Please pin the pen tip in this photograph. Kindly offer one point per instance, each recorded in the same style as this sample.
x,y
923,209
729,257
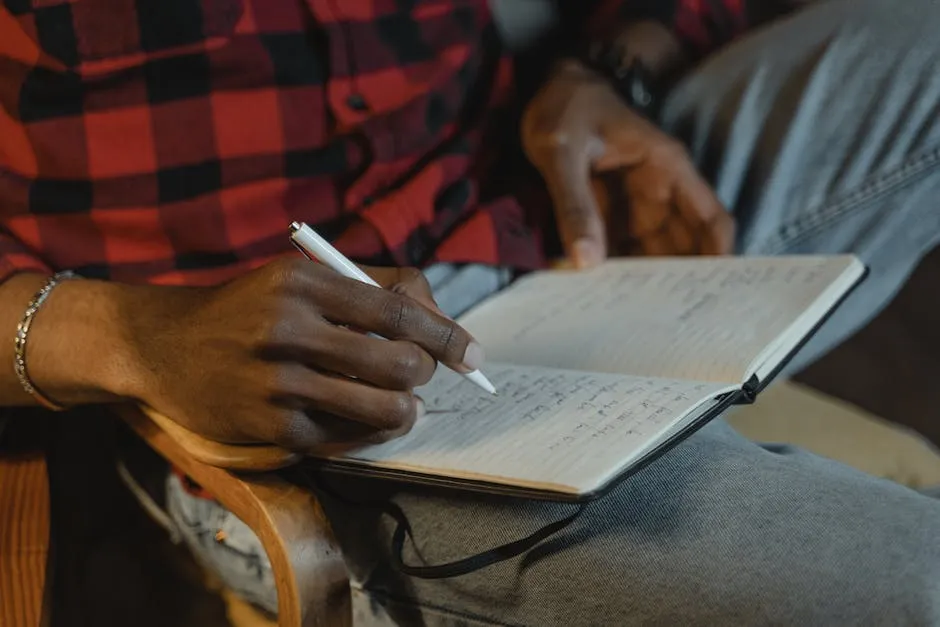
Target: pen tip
x,y
481,381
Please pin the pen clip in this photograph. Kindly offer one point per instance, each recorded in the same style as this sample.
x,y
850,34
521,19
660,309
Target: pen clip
x,y
302,250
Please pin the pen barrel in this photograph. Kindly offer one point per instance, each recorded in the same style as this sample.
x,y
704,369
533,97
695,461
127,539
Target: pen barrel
x,y
315,248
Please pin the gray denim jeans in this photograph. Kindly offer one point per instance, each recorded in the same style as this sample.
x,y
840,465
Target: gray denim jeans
x,y
821,132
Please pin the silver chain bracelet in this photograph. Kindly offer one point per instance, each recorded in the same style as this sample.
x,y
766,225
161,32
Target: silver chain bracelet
x,y
22,335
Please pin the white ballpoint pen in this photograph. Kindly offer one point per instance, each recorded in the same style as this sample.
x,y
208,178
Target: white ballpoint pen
x,y
313,246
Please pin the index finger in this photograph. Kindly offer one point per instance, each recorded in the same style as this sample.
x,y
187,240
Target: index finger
x,y
408,281
580,222
397,316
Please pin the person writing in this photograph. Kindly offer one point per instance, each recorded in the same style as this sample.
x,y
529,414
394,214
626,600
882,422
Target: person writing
x,y
159,151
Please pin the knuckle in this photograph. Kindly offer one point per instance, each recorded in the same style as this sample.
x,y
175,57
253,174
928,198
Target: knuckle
x,y
670,150
660,193
286,272
400,413
411,281
413,276
397,312
538,120
292,276
565,151
292,430
265,330
556,138
282,378
407,364
453,343
279,329
286,385
261,331
549,145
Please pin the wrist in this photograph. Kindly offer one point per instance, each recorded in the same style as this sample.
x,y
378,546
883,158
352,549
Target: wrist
x,y
648,42
632,86
626,75
637,60
78,350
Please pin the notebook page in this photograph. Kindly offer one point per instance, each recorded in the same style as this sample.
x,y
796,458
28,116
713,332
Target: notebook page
x,y
548,429
703,318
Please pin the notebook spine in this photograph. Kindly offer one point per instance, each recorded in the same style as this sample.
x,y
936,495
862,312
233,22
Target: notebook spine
x,y
750,390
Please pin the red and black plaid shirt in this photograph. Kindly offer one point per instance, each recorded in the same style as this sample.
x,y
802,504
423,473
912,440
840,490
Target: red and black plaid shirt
x,y
172,141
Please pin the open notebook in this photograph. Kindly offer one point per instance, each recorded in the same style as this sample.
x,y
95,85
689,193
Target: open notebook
x,y
600,371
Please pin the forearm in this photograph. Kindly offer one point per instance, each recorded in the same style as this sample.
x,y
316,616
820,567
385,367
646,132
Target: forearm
x,y
76,352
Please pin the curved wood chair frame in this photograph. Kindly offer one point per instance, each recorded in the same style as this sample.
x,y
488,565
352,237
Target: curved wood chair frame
x,y
309,572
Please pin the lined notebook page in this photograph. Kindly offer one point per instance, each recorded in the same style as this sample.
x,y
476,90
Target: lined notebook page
x,y
548,429
691,318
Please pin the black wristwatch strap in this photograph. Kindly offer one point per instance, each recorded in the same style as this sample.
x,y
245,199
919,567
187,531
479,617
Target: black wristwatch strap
x,y
632,80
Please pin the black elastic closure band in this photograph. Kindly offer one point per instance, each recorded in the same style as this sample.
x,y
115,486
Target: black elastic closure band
x,y
468,564
403,530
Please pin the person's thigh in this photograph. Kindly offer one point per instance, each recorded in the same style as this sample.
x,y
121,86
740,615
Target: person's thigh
x,y
718,532
821,132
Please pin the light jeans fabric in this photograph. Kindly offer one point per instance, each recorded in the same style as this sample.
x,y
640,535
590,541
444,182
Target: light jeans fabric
x,y
821,133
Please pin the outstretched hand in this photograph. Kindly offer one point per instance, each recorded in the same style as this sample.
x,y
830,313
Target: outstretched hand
x,y
577,128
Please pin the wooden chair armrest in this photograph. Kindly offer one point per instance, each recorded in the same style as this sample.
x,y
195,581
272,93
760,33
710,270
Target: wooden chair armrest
x,y
247,457
309,572
24,539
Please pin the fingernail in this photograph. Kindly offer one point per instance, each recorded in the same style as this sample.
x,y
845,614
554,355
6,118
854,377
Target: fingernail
x,y
596,148
473,357
585,253
421,409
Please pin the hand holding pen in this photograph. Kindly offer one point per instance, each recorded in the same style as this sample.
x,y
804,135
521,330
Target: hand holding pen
x,y
314,247
276,356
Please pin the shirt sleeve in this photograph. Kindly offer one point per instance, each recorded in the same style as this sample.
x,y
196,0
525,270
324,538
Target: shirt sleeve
x,y
16,258
702,26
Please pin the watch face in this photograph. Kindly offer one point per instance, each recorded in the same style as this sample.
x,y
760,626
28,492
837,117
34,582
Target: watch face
x,y
640,95
630,79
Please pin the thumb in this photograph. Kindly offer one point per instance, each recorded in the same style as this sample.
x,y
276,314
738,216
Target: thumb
x,y
580,223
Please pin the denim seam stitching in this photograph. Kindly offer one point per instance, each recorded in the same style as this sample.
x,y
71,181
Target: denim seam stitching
x,y
812,223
